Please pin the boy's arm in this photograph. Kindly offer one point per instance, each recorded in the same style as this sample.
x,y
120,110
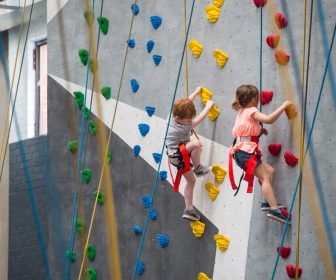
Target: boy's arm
x,y
195,93
196,121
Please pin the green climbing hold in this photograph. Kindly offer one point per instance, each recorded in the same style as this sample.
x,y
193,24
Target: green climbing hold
x,y
106,92
71,256
80,226
90,274
101,197
109,157
103,24
84,56
87,113
93,127
86,175
93,65
88,17
91,252
79,99
72,146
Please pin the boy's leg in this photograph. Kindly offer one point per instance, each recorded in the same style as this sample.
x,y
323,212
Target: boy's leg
x,y
189,213
194,149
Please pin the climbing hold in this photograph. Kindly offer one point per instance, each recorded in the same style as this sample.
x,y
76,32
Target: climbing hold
x,y
135,9
197,228
144,129
137,230
80,226
196,48
213,191
72,146
218,3
103,24
146,201
134,85
136,150
281,57
109,157
150,110
88,17
87,113
205,95
213,113
83,56
266,97
131,43
86,175
273,40
213,13
163,240
79,99
91,252
93,127
157,157
290,158
93,65
140,268
219,172
71,256
285,251
101,197
291,269
106,92
152,214
90,274
221,57
203,276
258,2
156,21
274,149
291,111
280,20
163,175
150,46
222,241
157,59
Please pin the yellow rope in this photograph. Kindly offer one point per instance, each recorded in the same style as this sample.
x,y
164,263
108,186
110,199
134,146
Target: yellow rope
x,y
186,50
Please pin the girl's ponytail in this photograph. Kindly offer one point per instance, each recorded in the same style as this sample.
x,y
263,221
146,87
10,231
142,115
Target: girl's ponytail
x,y
236,105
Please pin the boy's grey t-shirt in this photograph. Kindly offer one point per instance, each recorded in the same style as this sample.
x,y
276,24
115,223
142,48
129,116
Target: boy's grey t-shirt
x,y
177,134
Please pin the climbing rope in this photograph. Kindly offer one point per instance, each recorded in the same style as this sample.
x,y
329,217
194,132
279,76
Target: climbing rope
x,y
186,52
307,147
260,61
163,146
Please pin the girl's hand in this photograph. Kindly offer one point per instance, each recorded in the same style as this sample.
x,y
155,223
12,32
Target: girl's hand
x,y
286,104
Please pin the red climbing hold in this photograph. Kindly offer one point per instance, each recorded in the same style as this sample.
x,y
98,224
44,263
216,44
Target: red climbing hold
x,y
291,270
258,2
281,57
274,149
290,158
285,251
273,40
266,97
280,20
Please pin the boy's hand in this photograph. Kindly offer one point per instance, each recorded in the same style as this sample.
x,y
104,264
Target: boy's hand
x,y
198,89
209,104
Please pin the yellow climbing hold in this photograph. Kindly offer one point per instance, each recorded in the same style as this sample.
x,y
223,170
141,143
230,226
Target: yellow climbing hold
x,y
218,3
197,228
220,172
213,13
196,48
203,276
221,57
213,113
222,241
213,191
205,95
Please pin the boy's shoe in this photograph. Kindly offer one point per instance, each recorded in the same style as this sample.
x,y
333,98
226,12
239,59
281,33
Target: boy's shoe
x,y
191,215
266,207
201,170
277,215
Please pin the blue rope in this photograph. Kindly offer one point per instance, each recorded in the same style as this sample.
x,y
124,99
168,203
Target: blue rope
x,y
305,154
163,145
260,62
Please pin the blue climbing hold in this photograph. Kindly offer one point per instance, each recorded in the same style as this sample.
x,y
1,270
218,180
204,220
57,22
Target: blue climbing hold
x,y
131,43
157,59
150,46
150,110
136,149
163,175
146,201
144,129
152,214
136,10
163,240
137,230
140,268
156,21
134,85
157,157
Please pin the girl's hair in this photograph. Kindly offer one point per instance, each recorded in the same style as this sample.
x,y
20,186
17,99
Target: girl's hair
x,y
244,95
184,109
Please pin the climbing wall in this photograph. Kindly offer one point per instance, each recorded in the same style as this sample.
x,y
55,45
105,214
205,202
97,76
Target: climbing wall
x,y
224,53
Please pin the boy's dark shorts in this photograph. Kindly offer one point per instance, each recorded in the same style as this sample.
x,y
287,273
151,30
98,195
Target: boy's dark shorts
x,y
242,157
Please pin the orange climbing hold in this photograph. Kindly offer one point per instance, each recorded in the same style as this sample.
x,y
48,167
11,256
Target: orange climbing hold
x,y
280,20
281,57
291,112
273,40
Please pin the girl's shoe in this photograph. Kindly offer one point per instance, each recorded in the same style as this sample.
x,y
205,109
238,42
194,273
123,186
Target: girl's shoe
x,y
265,206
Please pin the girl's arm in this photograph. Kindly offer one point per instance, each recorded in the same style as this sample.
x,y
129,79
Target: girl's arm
x,y
196,121
271,118
195,93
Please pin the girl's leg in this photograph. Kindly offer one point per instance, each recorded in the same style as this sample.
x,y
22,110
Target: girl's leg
x,y
189,189
194,149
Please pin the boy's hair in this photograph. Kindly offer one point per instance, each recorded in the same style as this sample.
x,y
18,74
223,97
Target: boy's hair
x,y
184,109
244,95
